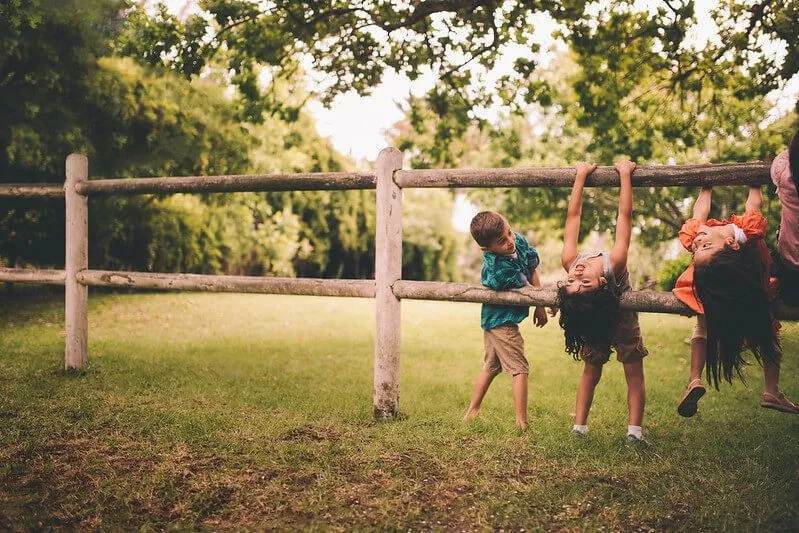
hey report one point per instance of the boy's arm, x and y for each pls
(624, 220)
(702, 205)
(572, 229)
(755, 199)
(540, 314)
(536, 281)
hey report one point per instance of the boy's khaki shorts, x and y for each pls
(627, 342)
(505, 350)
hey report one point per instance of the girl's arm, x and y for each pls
(755, 199)
(575, 211)
(702, 205)
(624, 220)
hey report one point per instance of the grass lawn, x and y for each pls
(248, 411)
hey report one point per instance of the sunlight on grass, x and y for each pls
(203, 410)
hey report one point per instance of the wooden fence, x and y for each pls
(387, 288)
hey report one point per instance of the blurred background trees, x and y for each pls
(144, 92)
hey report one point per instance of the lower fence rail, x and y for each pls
(641, 301)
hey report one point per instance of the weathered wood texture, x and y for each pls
(642, 301)
(363, 288)
(31, 190)
(388, 269)
(267, 182)
(30, 275)
(644, 176)
(76, 295)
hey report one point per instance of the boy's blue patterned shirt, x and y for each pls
(502, 272)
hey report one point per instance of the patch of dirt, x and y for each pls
(309, 432)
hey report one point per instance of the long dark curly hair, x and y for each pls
(738, 312)
(588, 319)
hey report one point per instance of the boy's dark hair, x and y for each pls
(738, 312)
(588, 319)
(793, 158)
(487, 227)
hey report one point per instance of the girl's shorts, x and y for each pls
(627, 342)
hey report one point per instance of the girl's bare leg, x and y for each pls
(636, 392)
(592, 373)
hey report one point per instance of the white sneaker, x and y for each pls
(639, 441)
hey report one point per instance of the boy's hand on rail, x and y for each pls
(540, 317)
(584, 169)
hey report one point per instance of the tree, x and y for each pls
(558, 136)
(137, 121)
(353, 43)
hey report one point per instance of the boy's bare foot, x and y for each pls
(471, 414)
(521, 426)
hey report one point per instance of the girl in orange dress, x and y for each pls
(728, 285)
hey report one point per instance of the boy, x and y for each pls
(509, 262)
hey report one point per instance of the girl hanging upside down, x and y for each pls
(592, 322)
(728, 285)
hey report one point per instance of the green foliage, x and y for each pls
(565, 133)
(670, 270)
(137, 121)
(430, 245)
(48, 53)
(354, 42)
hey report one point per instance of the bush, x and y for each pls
(671, 270)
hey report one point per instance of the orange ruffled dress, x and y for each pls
(753, 224)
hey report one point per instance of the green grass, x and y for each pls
(246, 411)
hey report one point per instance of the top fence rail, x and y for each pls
(645, 176)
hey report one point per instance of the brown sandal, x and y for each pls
(690, 399)
(779, 402)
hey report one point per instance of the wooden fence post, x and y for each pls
(388, 269)
(76, 259)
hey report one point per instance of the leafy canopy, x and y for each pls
(353, 43)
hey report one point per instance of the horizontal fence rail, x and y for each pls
(318, 181)
(31, 275)
(359, 288)
(644, 301)
(387, 289)
(31, 190)
(641, 301)
(644, 176)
